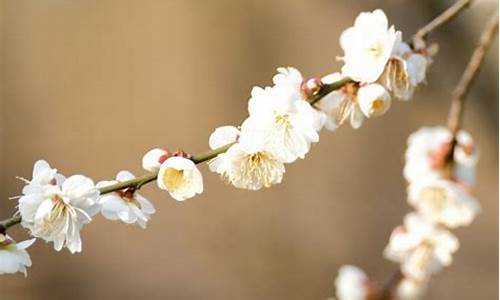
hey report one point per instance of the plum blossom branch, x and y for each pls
(138, 182)
(323, 90)
(456, 112)
(441, 195)
(469, 75)
(387, 290)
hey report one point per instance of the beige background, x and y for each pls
(91, 85)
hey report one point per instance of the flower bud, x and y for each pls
(153, 159)
(374, 100)
(311, 87)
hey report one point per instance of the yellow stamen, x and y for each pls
(173, 179)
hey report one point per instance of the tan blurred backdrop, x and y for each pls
(90, 85)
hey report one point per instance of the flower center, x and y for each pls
(377, 105)
(376, 49)
(423, 256)
(259, 169)
(59, 209)
(283, 121)
(173, 179)
(435, 197)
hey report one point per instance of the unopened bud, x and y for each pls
(311, 87)
(181, 153)
(153, 159)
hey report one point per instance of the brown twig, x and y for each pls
(386, 292)
(457, 108)
(443, 18)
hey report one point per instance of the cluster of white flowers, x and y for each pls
(440, 185)
(55, 209)
(283, 123)
(440, 173)
(379, 63)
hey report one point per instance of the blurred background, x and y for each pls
(92, 85)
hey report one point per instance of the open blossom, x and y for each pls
(180, 177)
(353, 102)
(43, 174)
(13, 256)
(220, 137)
(443, 202)
(421, 247)
(367, 46)
(404, 71)
(248, 164)
(126, 205)
(427, 151)
(56, 211)
(152, 160)
(287, 122)
(353, 284)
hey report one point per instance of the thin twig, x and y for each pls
(443, 18)
(386, 292)
(326, 89)
(457, 108)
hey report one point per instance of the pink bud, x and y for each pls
(311, 87)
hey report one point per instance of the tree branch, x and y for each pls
(138, 182)
(386, 292)
(443, 18)
(457, 108)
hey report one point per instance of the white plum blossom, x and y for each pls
(13, 256)
(421, 247)
(374, 100)
(180, 177)
(353, 284)
(426, 156)
(353, 102)
(341, 105)
(152, 160)
(220, 137)
(405, 70)
(43, 174)
(288, 123)
(248, 164)
(367, 46)
(56, 211)
(443, 201)
(126, 205)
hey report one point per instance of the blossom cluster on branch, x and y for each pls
(283, 122)
(440, 171)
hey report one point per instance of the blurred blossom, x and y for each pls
(13, 256)
(443, 202)
(421, 247)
